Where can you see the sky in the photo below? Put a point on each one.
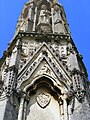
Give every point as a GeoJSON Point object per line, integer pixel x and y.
{"type": "Point", "coordinates": [78, 17]}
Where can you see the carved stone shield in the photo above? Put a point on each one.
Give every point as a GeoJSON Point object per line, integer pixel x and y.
{"type": "Point", "coordinates": [43, 99]}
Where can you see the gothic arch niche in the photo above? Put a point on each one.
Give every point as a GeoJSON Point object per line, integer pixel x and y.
{"type": "Point", "coordinates": [44, 102]}
{"type": "Point", "coordinates": [43, 23]}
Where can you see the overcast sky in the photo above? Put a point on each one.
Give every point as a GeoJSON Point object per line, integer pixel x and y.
{"type": "Point", "coordinates": [78, 16]}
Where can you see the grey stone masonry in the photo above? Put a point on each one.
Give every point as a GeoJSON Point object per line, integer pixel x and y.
{"type": "Point", "coordinates": [42, 74]}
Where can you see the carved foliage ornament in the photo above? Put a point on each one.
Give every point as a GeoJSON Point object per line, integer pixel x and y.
{"type": "Point", "coordinates": [43, 99]}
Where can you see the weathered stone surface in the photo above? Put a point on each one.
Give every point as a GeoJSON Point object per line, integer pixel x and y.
{"type": "Point", "coordinates": [42, 76]}
{"type": "Point", "coordinates": [35, 111]}
{"type": "Point", "coordinates": [10, 112]}
{"type": "Point", "coordinates": [81, 113]}
{"type": "Point", "coordinates": [2, 109]}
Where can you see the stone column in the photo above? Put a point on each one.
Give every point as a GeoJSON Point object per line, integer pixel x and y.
{"type": "Point", "coordinates": [25, 107]}
{"type": "Point", "coordinates": [65, 107]}
{"type": "Point", "coordinates": [52, 20]}
{"type": "Point", "coordinates": [30, 11]}
{"type": "Point", "coordinates": [35, 16]}
{"type": "Point", "coordinates": [62, 112]}
{"type": "Point", "coordinates": [20, 113]}
{"type": "Point", "coordinates": [61, 108]}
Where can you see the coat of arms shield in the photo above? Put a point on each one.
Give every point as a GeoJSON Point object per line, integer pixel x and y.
{"type": "Point", "coordinates": [43, 99]}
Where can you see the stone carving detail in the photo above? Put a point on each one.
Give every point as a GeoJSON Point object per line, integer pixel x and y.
{"type": "Point", "coordinates": [8, 61]}
{"type": "Point", "coordinates": [78, 85]}
{"type": "Point", "coordinates": [38, 2]}
{"type": "Point", "coordinates": [43, 25]}
{"type": "Point", "coordinates": [22, 63]}
{"type": "Point", "coordinates": [57, 17]}
{"type": "Point", "coordinates": [55, 47]}
{"type": "Point", "coordinates": [44, 70]}
{"type": "Point", "coordinates": [32, 49]}
{"type": "Point", "coordinates": [44, 16]}
{"type": "Point", "coordinates": [63, 51]}
{"type": "Point", "coordinates": [43, 99]}
{"type": "Point", "coordinates": [29, 71]}
{"type": "Point", "coordinates": [9, 81]}
{"type": "Point", "coordinates": [28, 51]}
{"type": "Point", "coordinates": [1, 87]}
{"type": "Point", "coordinates": [25, 49]}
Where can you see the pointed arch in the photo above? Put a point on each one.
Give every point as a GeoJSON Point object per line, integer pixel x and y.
{"type": "Point", "coordinates": [47, 81]}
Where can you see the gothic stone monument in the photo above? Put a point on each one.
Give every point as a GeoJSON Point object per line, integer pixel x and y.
{"type": "Point", "coordinates": [42, 75]}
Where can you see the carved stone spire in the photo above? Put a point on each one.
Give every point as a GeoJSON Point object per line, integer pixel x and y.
{"type": "Point", "coordinates": [42, 75]}
{"type": "Point", "coordinates": [43, 16]}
